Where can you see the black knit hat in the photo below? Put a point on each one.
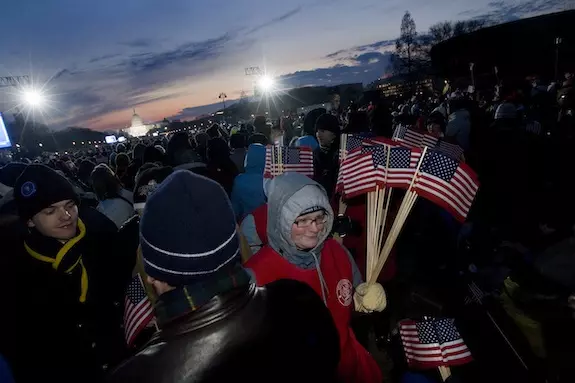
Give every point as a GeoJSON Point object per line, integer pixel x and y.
{"type": "Point", "coordinates": [38, 187]}
{"type": "Point", "coordinates": [147, 182]}
{"type": "Point", "coordinates": [9, 173]}
{"type": "Point", "coordinates": [188, 230]}
{"type": "Point", "coordinates": [310, 119]}
{"type": "Point", "coordinates": [328, 122]}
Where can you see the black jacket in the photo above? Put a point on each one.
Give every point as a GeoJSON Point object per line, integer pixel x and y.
{"type": "Point", "coordinates": [326, 167]}
{"type": "Point", "coordinates": [279, 333]}
{"type": "Point", "coordinates": [49, 335]}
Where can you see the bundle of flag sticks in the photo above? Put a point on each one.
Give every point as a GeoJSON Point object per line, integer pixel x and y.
{"type": "Point", "coordinates": [375, 166]}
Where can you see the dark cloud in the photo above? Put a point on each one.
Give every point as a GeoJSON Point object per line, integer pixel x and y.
{"type": "Point", "coordinates": [102, 58]}
{"type": "Point", "coordinates": [363, 68]}
{"type": "Point", "coordinates": [139, 43]}
{"type": "Point", "coordinates": [275, 20]}
{"type": "Point", "coordinates": [503, 11]}
{"type": "Point", "coordinates": [123, 82]}
{"type": "Point", "coordinates": [200, 51]}
{"type": "Point", "coordinates": [344, 54]}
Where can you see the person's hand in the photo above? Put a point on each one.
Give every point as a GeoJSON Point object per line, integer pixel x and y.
{"type": "Point", "coordinates": [369, 298]}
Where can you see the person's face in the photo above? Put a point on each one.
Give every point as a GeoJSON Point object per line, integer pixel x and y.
{"type": "Point", "coordinates": [325, 137]}
{"type": "Point", "coordinates": [435, 130]}
{"type": "Point", "coordinates": [59, 220]}
{"type": "Point", "coordinates": [306, 230]}
{"type": "Point", "coordinates": [336, 101]}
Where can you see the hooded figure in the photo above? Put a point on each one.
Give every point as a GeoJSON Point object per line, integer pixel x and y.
{"type": "Point", "coordinates": [308, 135]}
{"type": "Point", "coordinates": [326, 156]}
{"type": "Point", "coordinates": [248, 191]}
{"type": "Point", "coordinates": [459, 124]}
{"type": "Point", "coordinates": [299, 223]}
{"type": "Point", "coordinates": [220, 167]}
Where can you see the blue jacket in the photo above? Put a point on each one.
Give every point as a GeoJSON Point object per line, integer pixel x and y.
{"type": "Point", "coordinates": [248, 190]}
{"type": "Point", "coordinates": [309, 141]}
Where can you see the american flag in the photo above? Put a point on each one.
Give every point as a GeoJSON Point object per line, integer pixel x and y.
{"type": "Point", "coordinates": [447, 182]}
{"type": "Point", "coordinates": [402, 165]}
{"type": "Point", "coordinates": [433, 343]}
{"type": "Point", "coordinates": [138, 310]}
{"type": "Point", "coordinates": [410, 137]}
{"type": "Point", "coordinates": [452, 150]}
{"type": "Point", "coordinates": [382, 141]}
{"type": "Point", "coordinates": [357, 174]}
{"type": "Point", "coordinates": [353, 142]}
{"type": "Point", "coordinates": [299, 160]}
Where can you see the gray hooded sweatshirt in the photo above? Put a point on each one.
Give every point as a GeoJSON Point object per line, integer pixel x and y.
{"type": "Point", "coordinates": [289, 195]}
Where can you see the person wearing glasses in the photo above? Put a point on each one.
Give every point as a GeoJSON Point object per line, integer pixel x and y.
{"type": "Point", "coordinates": [299, 247]}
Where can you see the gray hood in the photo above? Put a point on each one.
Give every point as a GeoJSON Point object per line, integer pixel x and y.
{"type": "Point", "coordinates": [288, 196]}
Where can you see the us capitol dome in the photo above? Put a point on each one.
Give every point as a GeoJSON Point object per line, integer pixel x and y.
{"type": "Point", "coordinates": [138, 128]}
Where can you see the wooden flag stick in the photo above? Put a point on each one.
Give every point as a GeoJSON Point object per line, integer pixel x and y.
{"type": "Point", "coordinates": [380, 228]}
{"type": "Point", "coordinates": [406, 205]}
{"type": "Point", "coordinates": [280, 161]}
{"type": "Point", "coordinates": [388, 194]}
{"type": "Point", "coordinates": [386, 211]}
{"type": "Point", "coordinates": [377, 226]}
{"type": "Point", "coordinates": [273, 160]}
{"type": "Point", "coordinates": [342, 146]}
{"type": "Point", "coordinates": [368, 236]}
{"type": "Point", "coordinates": [342, 206]}
{"type": "Point", "coordinates": [445, 372]}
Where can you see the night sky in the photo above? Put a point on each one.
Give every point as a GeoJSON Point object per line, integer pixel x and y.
{"type": "Point", "coordinates": [172, 58]}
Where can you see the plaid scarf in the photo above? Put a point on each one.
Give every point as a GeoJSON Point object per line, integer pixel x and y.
{"type": "Point", "coordinates": [188, 298]}
{"type": "Point", "coordinates": [66, 258]}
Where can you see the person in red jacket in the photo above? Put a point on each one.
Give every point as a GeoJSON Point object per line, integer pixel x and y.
{"type": "Point", "coordinates": [299, 248]}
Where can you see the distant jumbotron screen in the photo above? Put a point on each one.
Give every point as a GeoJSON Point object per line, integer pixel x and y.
{"type": "Point", "coordinates": [4, 139]}
{"type": "Point", "coordinates": [111, 139]}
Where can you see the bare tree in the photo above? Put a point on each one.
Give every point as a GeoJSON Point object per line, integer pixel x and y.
{"type": "Point", "coordinates": [446, 30]}
{"type": "Point", "coordinates": [407, 47]}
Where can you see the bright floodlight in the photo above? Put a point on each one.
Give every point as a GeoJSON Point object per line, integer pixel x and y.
{"type": "Point", "coordinates": [266, 83]}
{"type": "Point", "coordinates": [33, 98]}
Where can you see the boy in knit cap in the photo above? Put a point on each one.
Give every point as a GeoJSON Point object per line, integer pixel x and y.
{"type": "Point", "coordinates": [216, 325]}
{"type": "Point", "coordinates": [70, 280]}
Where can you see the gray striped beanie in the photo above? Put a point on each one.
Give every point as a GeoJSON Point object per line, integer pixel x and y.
{"type": "Point", "coordinates": [188, 230]}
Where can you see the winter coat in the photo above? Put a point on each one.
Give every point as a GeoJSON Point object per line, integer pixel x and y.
{"type": "Point", "coordinates": [248, 189]}
{"type": "Point", "coordinates": [254, 228]}
{"type": "Point", "coordinates": [309, 141]}
{"type": "Point", "coordinates": [119, 210]}
{"type": "Point", "coordinates": [54, 336]}
{"type": "Point", "coordinates": [328, 268]}
{"type": "Point", "coordinates": [249, 334]}
{"type": "Point", "coordinates": [220, 167]}
{"type": "Point", "coordinates": [238, 157]}
{"type": "Point", "coordinates": [326, 167]}
{"type": "Point", "coordinates": [459, 127]}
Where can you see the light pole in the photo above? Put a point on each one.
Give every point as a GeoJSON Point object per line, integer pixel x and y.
{"type": "Point", "coordinates": [557, 43]}
{"type": "Point", "coordinates": [223, 97]}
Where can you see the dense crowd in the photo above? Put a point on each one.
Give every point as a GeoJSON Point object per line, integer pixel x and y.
{"type": "Point", "coordinates": [257, 279]}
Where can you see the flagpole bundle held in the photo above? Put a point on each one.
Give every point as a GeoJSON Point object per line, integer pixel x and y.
{"type": "Point", "coordinates": [376, 166]}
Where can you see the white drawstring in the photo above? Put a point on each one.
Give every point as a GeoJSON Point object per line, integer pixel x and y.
{"type": "Point", "coordinates": [321, 279]}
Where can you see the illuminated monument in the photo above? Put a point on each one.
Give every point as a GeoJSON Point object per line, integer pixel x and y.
{"type": "Point", "coordinates": [138, 128]}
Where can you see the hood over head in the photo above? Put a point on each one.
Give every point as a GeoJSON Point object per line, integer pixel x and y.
{"type": "Point", "coordinates": [255, 159]}
{"type": "Point", "coordinates": [289, 195]}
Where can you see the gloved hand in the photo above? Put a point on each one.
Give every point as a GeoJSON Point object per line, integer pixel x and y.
{"type": "Point", "coordinates": [343, 225]}
{"type": "Point", "coordinates": [369, 298]}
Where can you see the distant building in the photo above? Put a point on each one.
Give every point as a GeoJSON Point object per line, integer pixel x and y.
{"type": "Point", "coordinates": [138, 128]}
{"type": "Point", "coordinates": [513, 51]}
{"type": "Point", "coordinates": [400, 86]}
